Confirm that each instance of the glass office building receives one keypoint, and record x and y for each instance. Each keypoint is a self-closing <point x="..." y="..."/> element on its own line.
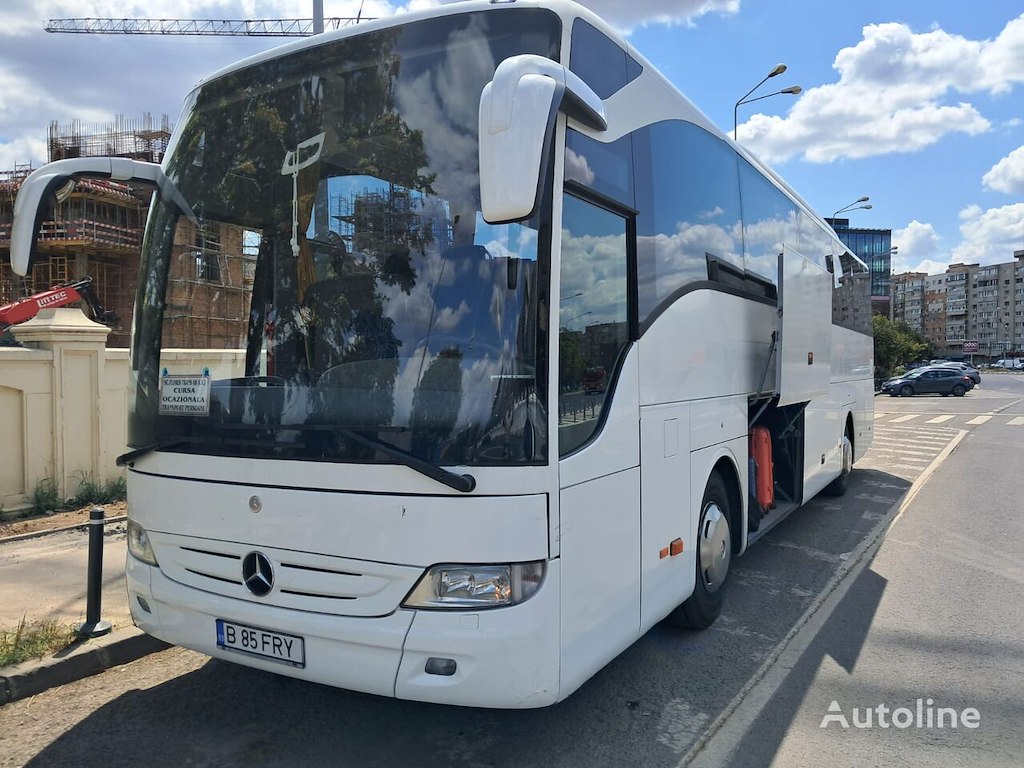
<point x="874" y="246"/>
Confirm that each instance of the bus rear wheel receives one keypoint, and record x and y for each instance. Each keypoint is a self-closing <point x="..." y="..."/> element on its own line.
<point x="713" y="556"/>
<point x="838" y="486"/>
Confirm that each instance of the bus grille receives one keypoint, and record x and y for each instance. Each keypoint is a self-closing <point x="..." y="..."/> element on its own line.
<point x="304" y="581"/>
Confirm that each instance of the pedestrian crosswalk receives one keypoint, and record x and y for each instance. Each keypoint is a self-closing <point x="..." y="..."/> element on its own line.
<point x="905" y="445"/>
<point x="882" y="417"/>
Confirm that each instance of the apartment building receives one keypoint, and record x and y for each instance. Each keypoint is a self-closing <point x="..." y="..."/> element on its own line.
<point x="908" y="301"/>
<point x="968" y="302"/>
<point x="933" y="325"/>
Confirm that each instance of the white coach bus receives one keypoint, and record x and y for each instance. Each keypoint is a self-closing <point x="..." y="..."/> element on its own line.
<point x="465" y="350"/>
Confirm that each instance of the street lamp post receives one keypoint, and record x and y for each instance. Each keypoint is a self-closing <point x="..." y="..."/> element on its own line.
<point x="778" y="70"/>
<point x="892" y="299"/>
<point x="854" y="206"/>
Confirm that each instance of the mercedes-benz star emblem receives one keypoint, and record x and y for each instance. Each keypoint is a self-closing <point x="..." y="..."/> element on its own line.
<point x="257" y="573"/>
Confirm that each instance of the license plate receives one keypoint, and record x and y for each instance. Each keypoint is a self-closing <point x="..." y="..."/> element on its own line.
<point x="276" y="646"/>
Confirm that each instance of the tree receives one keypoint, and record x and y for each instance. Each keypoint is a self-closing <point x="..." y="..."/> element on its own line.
<point x="896" y="344"/>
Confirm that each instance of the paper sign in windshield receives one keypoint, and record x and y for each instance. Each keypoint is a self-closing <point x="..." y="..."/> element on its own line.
<point x="184" y="395"/>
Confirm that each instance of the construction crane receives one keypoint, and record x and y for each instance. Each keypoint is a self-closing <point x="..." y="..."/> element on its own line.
<point x="221" y="27"/>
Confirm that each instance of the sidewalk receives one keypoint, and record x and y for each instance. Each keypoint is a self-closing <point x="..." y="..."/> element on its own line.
<point x="45" y="577"/>
<point x="935" y="622"/>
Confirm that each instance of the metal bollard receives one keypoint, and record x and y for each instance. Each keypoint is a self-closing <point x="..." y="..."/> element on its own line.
<point x="95" y="626"/>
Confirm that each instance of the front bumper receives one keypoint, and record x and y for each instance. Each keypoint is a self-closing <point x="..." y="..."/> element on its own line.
<point x="505" y="657"/>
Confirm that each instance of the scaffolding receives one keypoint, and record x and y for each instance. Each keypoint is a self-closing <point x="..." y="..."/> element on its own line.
<point x="135" y="138"/>
<point x="97" y="229"/>
<point x="209" y="287"/>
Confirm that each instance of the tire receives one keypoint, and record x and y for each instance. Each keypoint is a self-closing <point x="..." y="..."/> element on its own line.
<point x="906" y="390"/>
<point x="838" y="486"/>
<point x="713" y="558"/>
<point x="959" y="390"/>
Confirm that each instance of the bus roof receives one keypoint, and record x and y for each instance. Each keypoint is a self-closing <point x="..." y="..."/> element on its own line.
<point x="568" y="11"/>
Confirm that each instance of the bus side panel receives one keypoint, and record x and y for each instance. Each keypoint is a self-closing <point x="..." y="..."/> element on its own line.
<point x="599" y="538"/>
<point x="600" y="569"/>
<point x="853" y="370"/>
<point x="666" y="579"/>
<point x="823" y="432"/>
<point x="804" y="355"/>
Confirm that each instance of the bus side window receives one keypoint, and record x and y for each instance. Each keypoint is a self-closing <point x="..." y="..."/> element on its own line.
<point x="593" y="327"/>
<point x="687" y="196"/>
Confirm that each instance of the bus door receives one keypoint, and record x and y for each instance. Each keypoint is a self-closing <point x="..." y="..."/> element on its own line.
<point x="598" y="437"/>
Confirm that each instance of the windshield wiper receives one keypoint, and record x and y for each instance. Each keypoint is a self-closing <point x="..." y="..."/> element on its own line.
<point x="126" y="459"/>
<point x="463" y="483"/>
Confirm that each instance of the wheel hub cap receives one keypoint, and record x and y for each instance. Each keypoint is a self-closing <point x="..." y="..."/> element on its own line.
<point x="715" y="548"/>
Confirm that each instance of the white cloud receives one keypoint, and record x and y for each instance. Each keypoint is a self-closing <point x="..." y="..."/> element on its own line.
<point x="990" y="236"/>
<point x="891" y="95"/>
<point x="1008" y="174"/>
<point x="917" y="243"/>
<point x="972" y="211"/>
<point x="20" y="151"/>
<point x="928" y="266"/>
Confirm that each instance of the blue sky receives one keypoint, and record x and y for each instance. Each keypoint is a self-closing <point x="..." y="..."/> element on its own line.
<point x="919" y="105"/>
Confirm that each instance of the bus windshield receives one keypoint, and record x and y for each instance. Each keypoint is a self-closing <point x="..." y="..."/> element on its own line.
<point x="336" y="287"/>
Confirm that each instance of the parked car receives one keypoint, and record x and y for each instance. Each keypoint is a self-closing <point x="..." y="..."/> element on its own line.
<point x="937" y="380"/>
<point x="970" y="371"/>
<point x="971" y="383"/>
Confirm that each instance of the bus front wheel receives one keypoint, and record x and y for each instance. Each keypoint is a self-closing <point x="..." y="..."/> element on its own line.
<point x="713" y="556"/>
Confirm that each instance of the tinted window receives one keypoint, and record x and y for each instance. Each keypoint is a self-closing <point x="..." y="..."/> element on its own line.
<point x="604" y="168"/>
<point x="688" y="211"/>
<point x="816" y="244"/>
<point x="602" y="64"/>
<point x="769" y="223"/>
<point x="851" y="298"/>
<point x="593" y="326"/>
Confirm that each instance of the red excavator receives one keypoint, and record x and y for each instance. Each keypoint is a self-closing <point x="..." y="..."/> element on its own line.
<point x="57" y="296"/>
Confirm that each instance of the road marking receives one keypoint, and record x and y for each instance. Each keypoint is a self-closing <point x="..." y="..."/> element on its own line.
<point x="900" y="450"/>
<point x="925" y="442"/>
<point x="939" y="419"/>
<point x="901" y="419"/>
<point x="715" y="746"/>
<point x="1019" y="421"/>
<point x="979" y="419"/>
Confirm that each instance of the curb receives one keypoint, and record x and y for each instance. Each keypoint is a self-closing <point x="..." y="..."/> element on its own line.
<point x="87" y="658"/>
<point x="62" y="529"/>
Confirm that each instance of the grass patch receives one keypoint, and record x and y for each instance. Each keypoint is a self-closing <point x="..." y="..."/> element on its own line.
<point x="33" y="641"/>
<point x="45" y="496"/>
<point x="91" y="492"/>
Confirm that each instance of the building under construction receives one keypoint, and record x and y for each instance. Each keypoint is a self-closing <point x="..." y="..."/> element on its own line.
<point x="97" y="231"/>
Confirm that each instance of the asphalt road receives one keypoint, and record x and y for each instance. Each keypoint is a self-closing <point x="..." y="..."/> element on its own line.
<point x="651" y="706"/>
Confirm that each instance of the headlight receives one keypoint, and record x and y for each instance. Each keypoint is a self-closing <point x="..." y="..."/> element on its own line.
<point x="476" y="586"/>
<point x="138" y="543"/>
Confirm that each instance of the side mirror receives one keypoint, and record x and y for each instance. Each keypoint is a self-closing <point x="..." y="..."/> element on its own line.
<point x="34" y="196"/>
<point x="517" y="115"/>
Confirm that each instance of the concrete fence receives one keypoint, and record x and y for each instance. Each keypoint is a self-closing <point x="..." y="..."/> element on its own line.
<point x="62" y="406"/>
<point x="63" y="403"/>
